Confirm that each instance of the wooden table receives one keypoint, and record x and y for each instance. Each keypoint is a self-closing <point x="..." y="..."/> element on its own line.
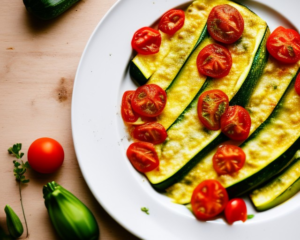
<point x="38" y="62"/>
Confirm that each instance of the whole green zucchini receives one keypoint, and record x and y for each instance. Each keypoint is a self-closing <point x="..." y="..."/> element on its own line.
<point x="48" y="9"/>
<point x="13" y="222"/>
<point x="71" y="219"/>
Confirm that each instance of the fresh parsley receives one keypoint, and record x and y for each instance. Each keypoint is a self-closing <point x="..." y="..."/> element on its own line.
<point x="250" y="216"/>
<point x="145" y="210"/>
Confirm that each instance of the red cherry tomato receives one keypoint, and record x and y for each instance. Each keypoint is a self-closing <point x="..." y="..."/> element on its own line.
<point x="284" y="45"/>
<point x="236" y="210"/>
<point x="297" y="84"/>
<point x="214" y="61"/>
<point x="236" y="123"/>
<point x="45" y="155"/>
<point x="171" y="21"/>
<point x="142" y="156"/>
<point x="146" y="41"/>
<point x="211" y="106"/>
<point x="209" y="199"/>
<point x="127" y="112"/>
<point x="225" y="24"/>
<point x="228" y="159"/>
<point x="150" y="132"/>
<point x="149" y="100"/>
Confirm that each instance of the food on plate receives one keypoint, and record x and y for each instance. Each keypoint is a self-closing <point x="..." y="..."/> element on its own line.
<point x="152" y="132"/>
<point x="297" y="84"/>
<point x="171" y="21"/>
<point x="236" y="210"/>
<point x="228" y="159"/>
<point x="236" y="123"/>
<point x="146" y="41"/>
<point x="45" y="155"/>
<point x="127" y="112"/>
<point x="212" y="105"/>
<point x="225" y="24"/>
<point x="214" y="61"/>
<point x="284" y="45"/>
<point x="143" y="156"/>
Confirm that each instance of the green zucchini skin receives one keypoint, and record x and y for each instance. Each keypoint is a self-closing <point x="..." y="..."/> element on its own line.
<point x="255" y="73"/>
<point x="48" y="9"/>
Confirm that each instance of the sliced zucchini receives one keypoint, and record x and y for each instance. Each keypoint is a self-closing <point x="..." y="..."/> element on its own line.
<point x="279" y="189"/>
<point x="265" y="154"/>
<point x="187" y="138"/>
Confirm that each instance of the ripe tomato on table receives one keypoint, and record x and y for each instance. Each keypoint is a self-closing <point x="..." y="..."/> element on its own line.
<point x="214" y="61"/>
<point x="212" y="105"/>
<point x="228" y="159"/>
<point x="150" y="132"/>
<point x="284" y="45"/>
<point x="171" y="21"/>
<point x="236" y="123"/>
<point x="225" y="24"/>
<point x="45" y="155"/>
<point x="149" y="100"/>
<point x="146" y="41"/>
<point x="209" y="199"/>
<point x="143" y="156"/>
<point x="236" y="210"/>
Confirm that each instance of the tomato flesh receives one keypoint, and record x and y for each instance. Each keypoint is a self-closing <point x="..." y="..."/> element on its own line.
<point x="297" y="84"/>
<point x="214" y="61"/>
<point x="171" y="21"/>
<point x="127" y="112"/>
<point x="212" y="105"/>
<point x="150" y="132"/>
<point x="236" y="123"/>
<point x="143" y="156"/>
<point x="228" y="159"/>
<point x="45" y="155"/>
<point x="209" y="199"/>
<point x="284" y="45"/>
<point x="146" y="41"/>
<point x="236" y="210"/>
<point x="225" y="24"/>
<point x="149" y="100"/>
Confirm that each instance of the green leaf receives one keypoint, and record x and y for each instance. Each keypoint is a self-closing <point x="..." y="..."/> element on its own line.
<point x="145" y="210"/>
<point x="250" y="216"/>
<point x="27" y="165"/>
<point x="25" y="181"/>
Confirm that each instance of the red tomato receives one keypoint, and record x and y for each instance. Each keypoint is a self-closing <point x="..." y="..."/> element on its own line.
<point x="228" y="159"/>
<point x="127" y="112"/>
<point x="142" y="156"/>
<point x="150" y="132"/>
<point x="171" y="21"/>
<point x="211" y="106"/>
<point x="45" y="155"/>
<point x="209" y="199"/>
<point x="284" y="45"/>
<point x="149" y="100"/>
<point x="225" y="24"/>
<point x="146" y="41"/>
<point x="297" y="84"/>
<point x="236" y="210"/>
<point x="236" y="123"/>
<point x="214" y="61"/>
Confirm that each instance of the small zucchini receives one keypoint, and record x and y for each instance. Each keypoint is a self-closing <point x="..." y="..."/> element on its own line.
<point x="13" y="222"/>
<point x="48" y="9"/>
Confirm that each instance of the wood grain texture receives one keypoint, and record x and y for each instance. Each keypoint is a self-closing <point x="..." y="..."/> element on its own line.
<point x="38" y="62"/>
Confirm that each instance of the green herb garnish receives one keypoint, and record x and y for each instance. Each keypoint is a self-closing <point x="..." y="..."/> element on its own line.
<point x="250" y="216"/>
<point x="145" y="210"/>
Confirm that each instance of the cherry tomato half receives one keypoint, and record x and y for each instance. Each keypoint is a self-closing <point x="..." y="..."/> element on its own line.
<point x="297" y="84"/>
<point x="149" y="100"/>
<point x="146" y="41"/>
<point x="127" y="112"/>
<point x="209" y="199"/>
<point x="45" y="155"/>
<point x="171" y="21"/>
<point x="225" y="24"/>
<point x="284" y="45"/>
<point x="150" y="132"/>
<point x="236" y="123"/>
<point x="142" y="156"/>
<point x="236" y="210"/>
<point x="211" y="106"/>
<point x="214" y="61"/>
<point x="228" y="159"/>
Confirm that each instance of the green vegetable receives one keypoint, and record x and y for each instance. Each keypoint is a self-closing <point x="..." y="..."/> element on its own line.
<point x="13" y="222"/>
<point x="145" y="210"/>
<point x="70" y="217"/>
<point x="250" y="216"/>
<point x="4" y="236"/>
<point x="48" y="9"/>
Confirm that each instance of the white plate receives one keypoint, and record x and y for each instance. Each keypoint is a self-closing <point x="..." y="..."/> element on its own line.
<point x="101" y="140"/>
